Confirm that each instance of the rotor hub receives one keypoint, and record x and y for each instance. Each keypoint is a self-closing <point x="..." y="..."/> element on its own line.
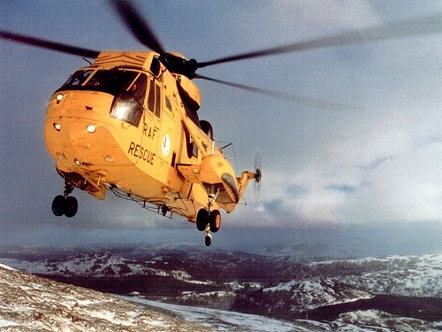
<point x="178" y="64"/>
<point x="258" y="175"/>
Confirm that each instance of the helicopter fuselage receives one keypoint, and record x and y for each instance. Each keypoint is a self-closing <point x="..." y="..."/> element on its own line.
<point x="129" y="125"/>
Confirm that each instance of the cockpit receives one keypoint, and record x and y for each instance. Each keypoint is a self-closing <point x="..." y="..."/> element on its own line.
<point x="128" y="86"/>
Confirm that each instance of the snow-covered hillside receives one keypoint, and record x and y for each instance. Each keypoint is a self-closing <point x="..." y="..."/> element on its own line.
<point x="314" y="292"/>
<point x="345" y="279"/>
<point x="339" y="281"/>
<point x="92" y="265"/>
<point x="391" y="275"/>
<point x="265" y="285"/>
<point x="31" y="303"/>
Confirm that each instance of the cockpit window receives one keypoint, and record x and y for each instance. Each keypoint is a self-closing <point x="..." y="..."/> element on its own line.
<point x="78" y="78"/>
<point x="128" y="104"/>
<point x="126" y="108"/>
<point x="128" y="86"/>
<point x="138" y="88"/>
<point x="111" y="81"/>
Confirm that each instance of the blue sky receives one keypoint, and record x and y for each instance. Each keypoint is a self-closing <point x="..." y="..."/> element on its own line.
<point x="377" y="164"/>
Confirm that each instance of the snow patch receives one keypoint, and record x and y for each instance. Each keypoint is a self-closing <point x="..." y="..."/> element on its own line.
<point x="6" y="323"/>
<point x="6" y="267"/>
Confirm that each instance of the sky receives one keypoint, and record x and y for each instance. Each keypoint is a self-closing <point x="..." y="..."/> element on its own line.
<point x="372" y="166"/>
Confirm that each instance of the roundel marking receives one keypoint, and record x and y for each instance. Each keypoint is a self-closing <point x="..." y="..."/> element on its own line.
<point x="165" y="145"/>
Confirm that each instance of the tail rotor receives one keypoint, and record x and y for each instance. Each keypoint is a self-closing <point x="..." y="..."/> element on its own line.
<point x="257" y="166"/>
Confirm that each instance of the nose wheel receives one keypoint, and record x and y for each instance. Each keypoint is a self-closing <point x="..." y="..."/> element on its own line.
<point x="208" y="222"/>
<point x="65" y="204"/>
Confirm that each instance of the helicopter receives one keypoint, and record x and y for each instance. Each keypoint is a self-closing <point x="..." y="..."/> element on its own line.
<point x="129" y="123"/>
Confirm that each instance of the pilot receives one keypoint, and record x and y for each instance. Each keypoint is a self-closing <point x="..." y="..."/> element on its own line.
<point x="93" y="82"/>
<point x="133" y="88"/>
<point x="138" y="88"/>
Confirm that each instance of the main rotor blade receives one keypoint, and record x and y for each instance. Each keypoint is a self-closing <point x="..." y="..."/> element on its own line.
<point x="47" y="44"/>
<point x="408" y="28"/>
<point x="311" y="102"/>
<point x="137" y="25"/>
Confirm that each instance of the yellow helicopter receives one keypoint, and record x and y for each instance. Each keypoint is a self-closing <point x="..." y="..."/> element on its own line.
<point x="129" y="123"/>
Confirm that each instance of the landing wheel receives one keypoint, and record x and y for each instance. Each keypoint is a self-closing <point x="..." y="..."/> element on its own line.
<point x="70" y="207"/>
<point x="208" y="240"/>
<point x="64" y="206"/>
<point x="215" y="221"/>
<point x="202" y="220"/>
<point x="58" y="205"/>
<point x="206" y="222"/>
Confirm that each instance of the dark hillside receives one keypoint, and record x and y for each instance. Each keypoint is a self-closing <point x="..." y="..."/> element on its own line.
<point x="425" y="308"/>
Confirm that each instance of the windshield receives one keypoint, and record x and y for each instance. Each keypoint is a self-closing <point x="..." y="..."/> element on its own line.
<point x="111" y="81"/>
<point x="128" y="105"/>
<point x="126" y="85"/>
<point x="78" y="78"/>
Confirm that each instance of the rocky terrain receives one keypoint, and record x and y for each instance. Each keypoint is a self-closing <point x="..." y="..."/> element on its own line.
<point x="403" y="293"/>
<point x="31" y="303"/>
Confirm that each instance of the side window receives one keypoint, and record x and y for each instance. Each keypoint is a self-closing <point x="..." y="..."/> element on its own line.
<point x="128" y="105"/>
<point x="192" y="149"/>
<point x="168" y="104"/>
<point x="157" y="100"/>
<point x="138" y="88"/>
<point x="126" y="108"/>
<point x="154" y="100"/>
<point x="155" y="66"/>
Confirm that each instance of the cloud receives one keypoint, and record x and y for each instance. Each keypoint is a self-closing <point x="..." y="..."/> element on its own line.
<point x="406" y="187"/>
<point x="289" y="21"/>
<point x="321" y="168"/>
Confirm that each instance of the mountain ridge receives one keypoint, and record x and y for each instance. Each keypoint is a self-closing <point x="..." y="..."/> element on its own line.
<point x="268" y="285"/>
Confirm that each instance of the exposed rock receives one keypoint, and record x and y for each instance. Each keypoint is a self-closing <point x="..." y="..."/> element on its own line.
<point x="31" y="303"/>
